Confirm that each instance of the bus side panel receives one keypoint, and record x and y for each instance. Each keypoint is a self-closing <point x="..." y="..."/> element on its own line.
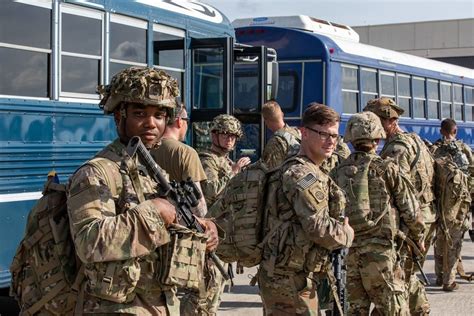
<point x="314" y="82"/>
<point x="334" y="87"/>
<point x="12" y="222"/>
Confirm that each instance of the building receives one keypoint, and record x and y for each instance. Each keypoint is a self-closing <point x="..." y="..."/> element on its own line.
<point x="450" y="41"/>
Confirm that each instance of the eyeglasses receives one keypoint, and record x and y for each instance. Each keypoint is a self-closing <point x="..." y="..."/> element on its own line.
<point x="324" y="135"/>
<point x="184" y="118"/>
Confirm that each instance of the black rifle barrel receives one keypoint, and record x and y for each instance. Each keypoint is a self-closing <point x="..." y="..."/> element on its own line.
<point x="183" y="207"/>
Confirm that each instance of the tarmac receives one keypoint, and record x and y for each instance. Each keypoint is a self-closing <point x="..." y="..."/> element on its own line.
<point x="244" y="299"/>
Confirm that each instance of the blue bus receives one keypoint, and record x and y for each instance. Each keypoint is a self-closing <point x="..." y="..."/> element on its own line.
<point x="324" y="62"/>
<point x="53" y="54"/>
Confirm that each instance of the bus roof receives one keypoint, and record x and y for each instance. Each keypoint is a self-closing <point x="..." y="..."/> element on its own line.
<point x="179" y="13"/>
<point x="302" y="22"/>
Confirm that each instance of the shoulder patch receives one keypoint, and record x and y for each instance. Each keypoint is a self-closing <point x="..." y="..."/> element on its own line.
<point x="306" y="181"/>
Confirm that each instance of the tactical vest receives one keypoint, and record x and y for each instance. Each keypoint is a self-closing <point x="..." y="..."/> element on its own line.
<point x="369" y="207"/>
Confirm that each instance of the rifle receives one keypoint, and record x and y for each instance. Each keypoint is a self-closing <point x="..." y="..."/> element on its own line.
<point x="417" y="254"/>
<point x="339" y="307"/>
<point x="184" y="195"/>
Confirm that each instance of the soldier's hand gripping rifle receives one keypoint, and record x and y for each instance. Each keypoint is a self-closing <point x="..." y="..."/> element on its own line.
<point x="184" y="196"/>
<point x="417" y="254"/>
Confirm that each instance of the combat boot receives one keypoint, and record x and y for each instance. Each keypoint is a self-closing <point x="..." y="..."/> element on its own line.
<point x="451" y="287"/>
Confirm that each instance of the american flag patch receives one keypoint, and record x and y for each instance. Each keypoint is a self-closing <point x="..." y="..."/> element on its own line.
<point x="306" y="182"/>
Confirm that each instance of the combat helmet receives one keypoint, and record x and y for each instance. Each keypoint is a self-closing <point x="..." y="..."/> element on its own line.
<point x="363" y="127"/>
<point x="384" y="107"/>
<point x="144" y="85"/>
<point x="227" y="124"/>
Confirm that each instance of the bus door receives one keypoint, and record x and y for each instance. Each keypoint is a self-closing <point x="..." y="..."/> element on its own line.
<point x="255" y="82"/>
<point x="211" y="85"/>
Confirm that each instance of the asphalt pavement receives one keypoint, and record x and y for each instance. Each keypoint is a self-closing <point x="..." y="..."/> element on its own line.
<point x="244" y="299"/>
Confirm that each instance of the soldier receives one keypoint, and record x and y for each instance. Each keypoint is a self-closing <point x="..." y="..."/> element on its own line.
<point x="415" y="162"/>
<point x="450" y="233"/>
<point x="378" y="198"/>
<point x="302" y="233"/>
<point x="285" y="141"/>
<point x="179" y="160"/>
<point x="219" y="169"/>
<point x="341" y="152"/>
<point x="117" y="222"/>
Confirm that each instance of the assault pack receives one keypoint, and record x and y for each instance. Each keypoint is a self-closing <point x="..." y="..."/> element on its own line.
<point x="452" y="192"/>
<point x="45" y="271"/>
<point x="240" y="213"/>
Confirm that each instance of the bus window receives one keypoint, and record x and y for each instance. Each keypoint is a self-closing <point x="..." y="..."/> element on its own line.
<point x="350" y="89"/>
<point x="25" y="49"/>
<point x="368" y="83"/>
<point x="208" y="78"/>
<point x="404" y="94"/>
<point x="127" y="43"/>
<point x="469" y="97"/>
<point x="419" y="97"/>
<point x="387" y="84"/>
<point x="246" y="87"/>
<point x="457" y="102"/>
<point x="289" y="88"/>
<point x="81" y="40"/>
<point x="446" y="100"/>
<point x="168" y="52"/>
<point x="433" y="99"/>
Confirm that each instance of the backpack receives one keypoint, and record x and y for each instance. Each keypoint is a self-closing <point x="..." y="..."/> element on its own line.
<point x="361" y="176"/>
<point x="452" y="191"/>
<point x="240" y="213"/>
<point x="46" y="275"/>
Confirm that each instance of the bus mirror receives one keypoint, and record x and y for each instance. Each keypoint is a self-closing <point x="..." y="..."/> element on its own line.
<point x="272" y="80"/>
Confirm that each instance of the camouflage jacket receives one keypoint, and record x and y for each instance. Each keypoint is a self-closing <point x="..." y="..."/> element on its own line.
<point x="218" y="169"/>
<point x="304" y="231"/>
<point x="116" y="235"/>
<point x="377" y="203"/>
<point x="283" y="144"/>
<point x="416" y="162"/>
<point x="460" y="152"/>
<point x="341" y="152"/>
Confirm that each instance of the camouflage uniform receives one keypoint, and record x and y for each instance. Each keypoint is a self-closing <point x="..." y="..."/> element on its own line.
<point x="218" y="169"/>
<point x="448" y="248"/>
<point x="283" y="144"/>
<point x="137" y="229"/>
<point x="301" y="236"/>
<point x="415" y="162"/>
<point x="378" y="198"/>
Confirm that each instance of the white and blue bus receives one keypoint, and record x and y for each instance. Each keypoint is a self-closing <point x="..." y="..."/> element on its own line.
<point x="324" y="62"/>
<point x="53" y="54"/>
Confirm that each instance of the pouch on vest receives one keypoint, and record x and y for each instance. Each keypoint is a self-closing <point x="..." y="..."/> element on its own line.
<point x="182" y="259"/>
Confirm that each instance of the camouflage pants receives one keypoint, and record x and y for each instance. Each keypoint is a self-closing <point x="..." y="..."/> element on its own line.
<point x="417" y="298"/>
<point x="208" y="300"/>
<point x="371" y="278"/>
<point x="447" y="253"/>
<point x="293" y="294"/>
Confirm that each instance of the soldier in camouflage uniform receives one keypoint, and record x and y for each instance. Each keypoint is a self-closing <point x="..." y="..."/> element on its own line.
<point x="301" y="232"/>
<point x="378" y="198"/>
<point x="449" y="239"/>
<point x="285" y="141"/>
<point x="219" y="169"/>
<point x="117" y="223"/>
<point x="415" y="162"/>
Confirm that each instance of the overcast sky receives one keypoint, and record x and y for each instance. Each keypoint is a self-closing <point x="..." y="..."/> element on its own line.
<point x="350" y="12"/>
